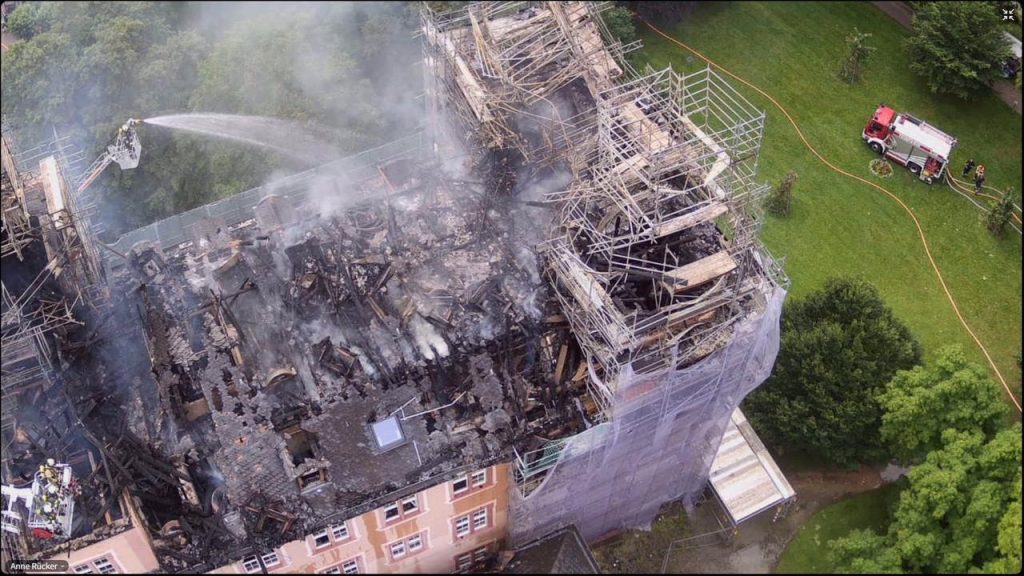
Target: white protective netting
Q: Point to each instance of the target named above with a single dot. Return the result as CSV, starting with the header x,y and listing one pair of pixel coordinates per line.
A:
x,y
658,444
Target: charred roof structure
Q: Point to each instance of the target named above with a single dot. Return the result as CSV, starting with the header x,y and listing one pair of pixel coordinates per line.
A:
x,y
59,487
561,272
653,253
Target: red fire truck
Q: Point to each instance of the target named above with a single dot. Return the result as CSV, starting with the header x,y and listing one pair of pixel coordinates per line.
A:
x,y
921,147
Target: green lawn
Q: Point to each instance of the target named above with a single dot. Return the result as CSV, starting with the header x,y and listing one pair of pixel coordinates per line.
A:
x,y
807,551
840,226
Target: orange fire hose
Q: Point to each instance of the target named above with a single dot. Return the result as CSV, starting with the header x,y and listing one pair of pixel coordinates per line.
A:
x,y
834,168
958,185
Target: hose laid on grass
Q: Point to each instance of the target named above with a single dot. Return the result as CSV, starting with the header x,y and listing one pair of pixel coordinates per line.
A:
x,y
834,168
963,189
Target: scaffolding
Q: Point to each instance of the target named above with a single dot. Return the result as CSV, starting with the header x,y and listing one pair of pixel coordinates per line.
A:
x,y
17,232
654,258
659,255
505,68
51,268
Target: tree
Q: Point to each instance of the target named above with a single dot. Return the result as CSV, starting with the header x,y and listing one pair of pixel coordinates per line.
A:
x,y
31,18
840,345
952,393
857,55
1008,541
863,552
959,512
287,68
781,199
619,21
998,217
957,47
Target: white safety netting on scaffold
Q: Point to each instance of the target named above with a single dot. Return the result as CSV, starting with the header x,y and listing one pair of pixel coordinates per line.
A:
x,y
658,444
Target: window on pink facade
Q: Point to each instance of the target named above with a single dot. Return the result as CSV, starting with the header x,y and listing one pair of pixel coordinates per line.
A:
x,y
475,521
101,565
409,546
467,484
463,561
350,566
402,509
251,564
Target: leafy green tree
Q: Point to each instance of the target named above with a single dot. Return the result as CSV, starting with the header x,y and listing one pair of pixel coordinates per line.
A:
x,y
279,68
619,21
959,513
31,18
1008,541
857,54
94,64
863,552
957,47
840,345
952,393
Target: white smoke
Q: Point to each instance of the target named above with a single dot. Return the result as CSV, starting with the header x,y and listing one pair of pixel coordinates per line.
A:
x,y
428,340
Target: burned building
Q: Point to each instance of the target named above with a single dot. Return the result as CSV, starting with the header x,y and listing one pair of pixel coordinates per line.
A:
x,y
316,351
61,492
542,311
653,253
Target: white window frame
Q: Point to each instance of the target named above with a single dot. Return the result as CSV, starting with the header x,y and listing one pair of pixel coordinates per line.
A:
x,y
480,554
398,512
418,540
457,491
340,528
400,545
477,516
479,478
271,559
85,568
410,500
350,562
249,570
466,527
331,570
322,534
104,569
463,561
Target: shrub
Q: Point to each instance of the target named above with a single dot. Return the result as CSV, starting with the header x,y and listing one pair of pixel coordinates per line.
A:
x,y
857,55
998,217
781,199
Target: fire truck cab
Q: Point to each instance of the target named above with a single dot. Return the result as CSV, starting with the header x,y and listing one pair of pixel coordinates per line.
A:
x,y
921,148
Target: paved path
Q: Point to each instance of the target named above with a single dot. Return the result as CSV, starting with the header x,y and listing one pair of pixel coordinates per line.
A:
x,y
759,542
902,13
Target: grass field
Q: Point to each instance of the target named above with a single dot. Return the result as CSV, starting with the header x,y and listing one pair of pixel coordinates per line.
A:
x,y
807,551
839,226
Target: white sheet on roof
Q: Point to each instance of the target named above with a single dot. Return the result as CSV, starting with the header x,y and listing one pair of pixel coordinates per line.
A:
x,y
744,474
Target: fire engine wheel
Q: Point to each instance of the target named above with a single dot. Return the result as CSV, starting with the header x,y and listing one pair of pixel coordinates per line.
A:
x,y
877,147
914,168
